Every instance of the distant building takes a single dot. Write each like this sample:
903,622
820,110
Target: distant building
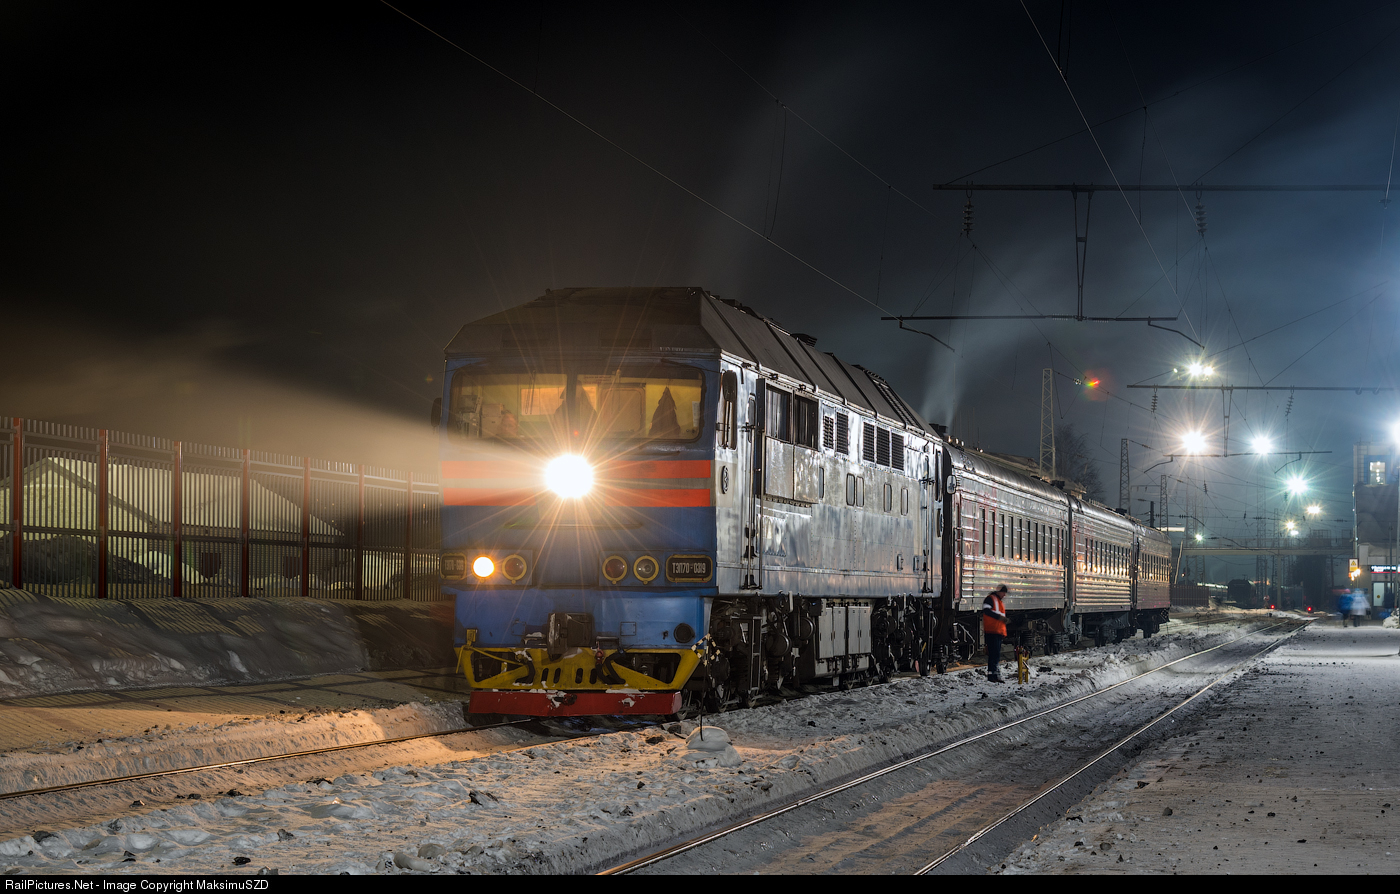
1374,488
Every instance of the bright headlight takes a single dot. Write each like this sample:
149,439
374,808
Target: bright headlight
483,566
569,476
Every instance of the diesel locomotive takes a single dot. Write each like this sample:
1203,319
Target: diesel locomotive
655,500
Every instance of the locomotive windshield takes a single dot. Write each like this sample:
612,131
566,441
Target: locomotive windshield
639,404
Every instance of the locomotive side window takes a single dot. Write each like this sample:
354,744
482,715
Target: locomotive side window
889,497
805,415
778,415
850,490
729,410
904,501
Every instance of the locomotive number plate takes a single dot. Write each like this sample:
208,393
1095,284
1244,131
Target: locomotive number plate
689,569
454,566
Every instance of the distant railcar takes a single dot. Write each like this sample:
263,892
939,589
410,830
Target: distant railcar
656,499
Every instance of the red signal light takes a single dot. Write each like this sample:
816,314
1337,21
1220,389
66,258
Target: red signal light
615,568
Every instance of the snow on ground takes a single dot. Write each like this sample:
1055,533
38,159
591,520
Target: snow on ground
1290,772
578,805
162,749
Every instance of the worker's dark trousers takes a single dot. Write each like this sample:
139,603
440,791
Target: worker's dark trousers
993,653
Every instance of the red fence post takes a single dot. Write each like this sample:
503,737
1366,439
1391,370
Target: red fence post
306,526
103,489
17,509
360,537
408,544
244,524
177,567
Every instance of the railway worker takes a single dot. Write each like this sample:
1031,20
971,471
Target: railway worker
994,630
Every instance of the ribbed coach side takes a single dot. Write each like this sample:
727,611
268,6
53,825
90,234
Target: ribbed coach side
1013,531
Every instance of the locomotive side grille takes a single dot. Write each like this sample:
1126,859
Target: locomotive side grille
897,451
828,433
843,433
867,443
882,447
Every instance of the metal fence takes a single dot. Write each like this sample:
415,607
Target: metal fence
88,512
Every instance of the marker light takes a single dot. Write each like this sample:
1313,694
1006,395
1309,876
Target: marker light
514,568
1296,485
483,566
1314,510
646,569
1199,537
569,476
614,568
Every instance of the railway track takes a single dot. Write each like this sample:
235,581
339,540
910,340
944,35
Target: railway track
123,788
1022,800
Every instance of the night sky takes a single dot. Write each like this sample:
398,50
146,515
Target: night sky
260,225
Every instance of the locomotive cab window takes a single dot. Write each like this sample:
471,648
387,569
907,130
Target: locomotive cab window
624,403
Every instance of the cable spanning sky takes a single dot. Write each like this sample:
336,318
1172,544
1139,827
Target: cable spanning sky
260,225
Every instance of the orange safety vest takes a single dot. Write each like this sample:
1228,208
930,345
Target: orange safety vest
991,623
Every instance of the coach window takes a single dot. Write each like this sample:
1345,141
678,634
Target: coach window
984,532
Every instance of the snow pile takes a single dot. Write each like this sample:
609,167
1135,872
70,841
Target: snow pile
710,747
50,645
576,805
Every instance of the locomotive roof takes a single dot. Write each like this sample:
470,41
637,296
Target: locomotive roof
685,319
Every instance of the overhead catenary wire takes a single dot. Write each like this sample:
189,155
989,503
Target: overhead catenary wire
650,167
1311,36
